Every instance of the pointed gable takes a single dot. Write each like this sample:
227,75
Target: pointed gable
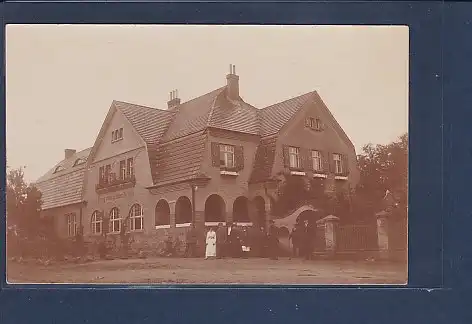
149,123
274,117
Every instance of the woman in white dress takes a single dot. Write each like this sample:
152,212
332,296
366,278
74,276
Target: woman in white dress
210,251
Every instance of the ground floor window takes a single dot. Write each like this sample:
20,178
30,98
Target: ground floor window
115,220
136,217
71,224
97,222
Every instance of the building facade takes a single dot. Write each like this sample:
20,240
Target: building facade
212,159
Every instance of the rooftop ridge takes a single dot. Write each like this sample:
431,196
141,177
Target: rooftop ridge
286,100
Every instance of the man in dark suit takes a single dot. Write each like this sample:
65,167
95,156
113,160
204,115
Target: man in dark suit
221,241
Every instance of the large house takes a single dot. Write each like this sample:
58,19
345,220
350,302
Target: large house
212,159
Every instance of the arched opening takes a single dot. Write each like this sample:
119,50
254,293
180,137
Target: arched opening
115,220
162,213
183,210
136,218
215,209
260,211
96,223
241,210
309,215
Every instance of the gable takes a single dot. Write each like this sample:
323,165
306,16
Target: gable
331,135
105,147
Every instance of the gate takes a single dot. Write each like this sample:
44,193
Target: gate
356,238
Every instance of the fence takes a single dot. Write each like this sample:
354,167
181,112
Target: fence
356,238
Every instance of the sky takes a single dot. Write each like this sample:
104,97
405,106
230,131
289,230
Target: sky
62,79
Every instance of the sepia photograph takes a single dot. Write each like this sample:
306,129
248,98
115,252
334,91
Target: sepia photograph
207,154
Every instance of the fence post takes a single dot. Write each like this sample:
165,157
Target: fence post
330,226
382,234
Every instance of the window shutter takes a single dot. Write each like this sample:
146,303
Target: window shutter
286,156
239,156
345,165
304,159
307,122
329,157
215,154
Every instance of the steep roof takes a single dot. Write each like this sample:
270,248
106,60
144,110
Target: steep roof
264,160
192,116
63,187
180,159
237,116
274,117
150,123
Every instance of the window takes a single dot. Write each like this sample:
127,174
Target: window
315,123
117,135
59,168
338,165
130,168
71,224
101,174
97,222
107,173
123,170
317,160
294,155
115,220
136,217
80,161
226,156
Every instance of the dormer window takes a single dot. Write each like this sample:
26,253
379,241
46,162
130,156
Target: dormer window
80,161
227,156
314,123
59,168
117,135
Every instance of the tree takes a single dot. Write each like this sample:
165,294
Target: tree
382,168
23,204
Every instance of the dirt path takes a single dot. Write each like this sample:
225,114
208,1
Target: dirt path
199,271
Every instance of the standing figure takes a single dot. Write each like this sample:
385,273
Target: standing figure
221,239
124,237
309,239
191,242
273,241
295,237
210,251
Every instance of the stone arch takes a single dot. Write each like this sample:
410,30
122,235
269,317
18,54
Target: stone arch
241,210
259,203
183,210
162,213
215,209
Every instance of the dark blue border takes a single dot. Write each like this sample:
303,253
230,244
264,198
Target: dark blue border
429,213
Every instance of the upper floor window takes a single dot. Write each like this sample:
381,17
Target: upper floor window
115,220
130,168
227,156
313,123
71,224
136,217
122,169
317,160
117,135
97,222
338,163
294,157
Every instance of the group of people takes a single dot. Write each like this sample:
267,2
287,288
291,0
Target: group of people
303,237
232,241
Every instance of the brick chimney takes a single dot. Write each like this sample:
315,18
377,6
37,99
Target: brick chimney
68,153
174,101
232,83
